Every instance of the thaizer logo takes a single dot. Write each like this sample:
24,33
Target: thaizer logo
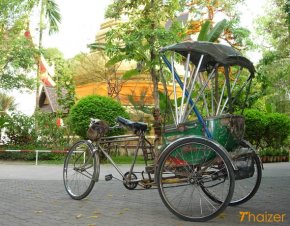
246,216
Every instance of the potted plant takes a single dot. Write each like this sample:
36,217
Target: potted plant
263,155
284,154
275,154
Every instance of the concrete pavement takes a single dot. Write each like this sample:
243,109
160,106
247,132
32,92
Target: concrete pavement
35,195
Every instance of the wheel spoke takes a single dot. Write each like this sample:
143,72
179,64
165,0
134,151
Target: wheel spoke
190,163
81,170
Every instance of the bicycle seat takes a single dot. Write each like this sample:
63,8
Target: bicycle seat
136,126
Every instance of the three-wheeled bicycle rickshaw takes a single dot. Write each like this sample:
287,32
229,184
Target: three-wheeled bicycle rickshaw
204,164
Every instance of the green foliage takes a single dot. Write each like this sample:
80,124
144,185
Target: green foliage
52,13
139,106
130,73
3,121
16,54
31,156
7,103
266,152
140,38
282,151
49,11
229,30
203,34
49,135
267,129
256,125
273,26
20,129
65,85
93,106
241,35
274,67
22,133
211,34
278,129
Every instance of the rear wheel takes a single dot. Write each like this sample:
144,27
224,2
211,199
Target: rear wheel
184,167
245,188
81,170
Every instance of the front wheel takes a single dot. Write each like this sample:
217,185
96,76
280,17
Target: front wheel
81,170
188,165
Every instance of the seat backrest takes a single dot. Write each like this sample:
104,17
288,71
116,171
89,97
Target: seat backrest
228,130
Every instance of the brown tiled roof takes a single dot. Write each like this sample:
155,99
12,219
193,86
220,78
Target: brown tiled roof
48,100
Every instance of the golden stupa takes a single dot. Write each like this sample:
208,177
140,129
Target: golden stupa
108,81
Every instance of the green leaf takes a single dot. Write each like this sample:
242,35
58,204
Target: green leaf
217,30
203,34
96,46
53,15
114,60
129,74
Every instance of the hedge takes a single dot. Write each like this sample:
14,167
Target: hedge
93,106
266,129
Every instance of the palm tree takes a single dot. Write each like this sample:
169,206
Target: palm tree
49,16
209,33
7,103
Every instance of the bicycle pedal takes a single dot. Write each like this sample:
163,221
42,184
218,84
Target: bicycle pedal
108,177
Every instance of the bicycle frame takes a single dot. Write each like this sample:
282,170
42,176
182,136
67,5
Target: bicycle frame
142,143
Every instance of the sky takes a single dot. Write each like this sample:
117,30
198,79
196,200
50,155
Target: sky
81,20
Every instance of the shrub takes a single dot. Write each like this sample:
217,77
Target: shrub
20,129
282,151
266,129
93,106
22,132
277,130
49,134
256,124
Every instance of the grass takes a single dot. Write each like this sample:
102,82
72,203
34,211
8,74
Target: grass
126,159
60,161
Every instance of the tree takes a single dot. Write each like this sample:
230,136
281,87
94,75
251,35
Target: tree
65,85
16,53
203,21
93,67
49,15
274,67
141,36
7,103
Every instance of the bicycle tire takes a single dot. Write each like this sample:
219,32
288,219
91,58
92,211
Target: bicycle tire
190,168
241,195
237,201
81,170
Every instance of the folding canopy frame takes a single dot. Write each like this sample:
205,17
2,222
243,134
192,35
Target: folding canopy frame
202,63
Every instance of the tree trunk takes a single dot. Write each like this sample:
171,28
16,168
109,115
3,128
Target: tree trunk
39,56
157,123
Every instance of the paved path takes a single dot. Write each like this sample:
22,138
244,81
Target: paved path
34,195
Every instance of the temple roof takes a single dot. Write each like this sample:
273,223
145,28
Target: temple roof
48,100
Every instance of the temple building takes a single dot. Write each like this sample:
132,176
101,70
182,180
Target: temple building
93,77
